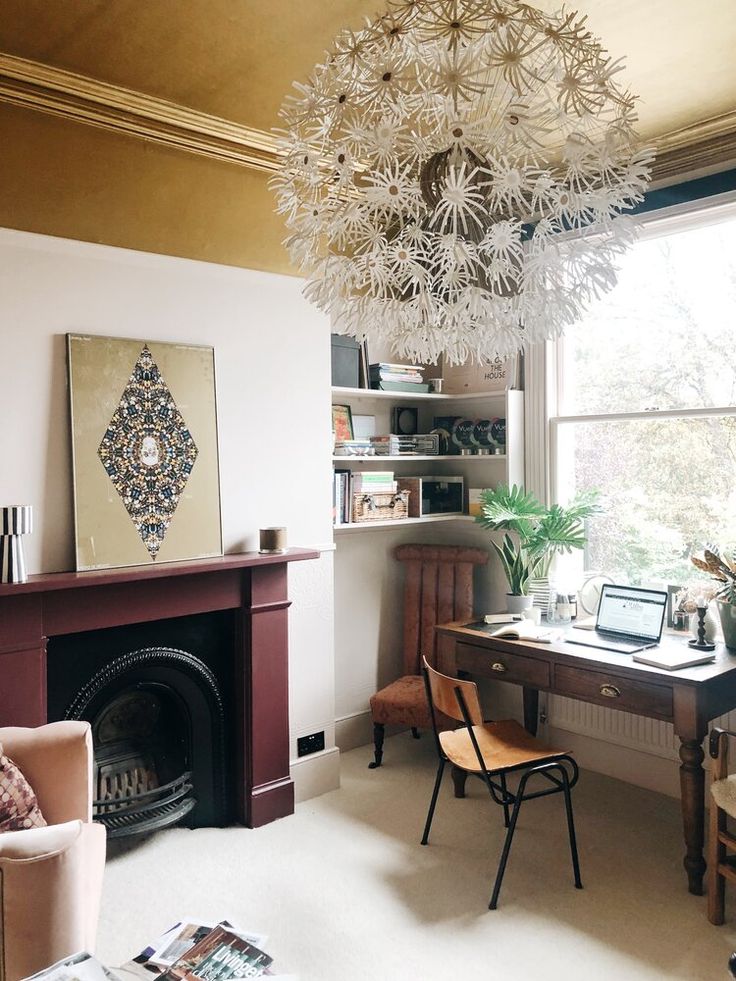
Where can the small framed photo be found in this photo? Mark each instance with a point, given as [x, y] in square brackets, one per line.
[342, 422]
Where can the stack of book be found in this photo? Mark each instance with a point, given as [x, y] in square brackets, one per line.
[346, 483]
[373, 482]
[397, 377]
[417, 445]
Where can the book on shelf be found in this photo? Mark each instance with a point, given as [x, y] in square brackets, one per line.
[373, 482]
[411, 377]
[524, 630]
[670, 660]
[342, 496]
[388, 366]
[423, 444]
[396, 386]
[373, 476]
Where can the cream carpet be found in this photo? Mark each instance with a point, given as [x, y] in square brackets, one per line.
[346, 893]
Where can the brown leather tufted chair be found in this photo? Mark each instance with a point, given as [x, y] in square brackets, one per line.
[438, 587]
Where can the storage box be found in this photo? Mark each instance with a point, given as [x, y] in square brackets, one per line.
[345, 361]
[474, 502]
[380, 507]
[494, 377]
[433, 495]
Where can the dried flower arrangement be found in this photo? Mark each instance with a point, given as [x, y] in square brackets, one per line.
[687, 598]
[721, 565]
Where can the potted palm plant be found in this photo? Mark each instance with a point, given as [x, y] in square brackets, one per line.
[540, 533]
[721, 565]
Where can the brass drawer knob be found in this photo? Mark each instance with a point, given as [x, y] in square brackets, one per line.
[610, 691]
[497, 666]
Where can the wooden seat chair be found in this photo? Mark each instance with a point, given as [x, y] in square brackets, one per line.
[491, 751]
[720, 841]
[438, 588]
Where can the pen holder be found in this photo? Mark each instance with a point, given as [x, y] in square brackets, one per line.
[700, 643]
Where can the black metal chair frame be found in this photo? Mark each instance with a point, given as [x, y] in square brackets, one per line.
[553, 769]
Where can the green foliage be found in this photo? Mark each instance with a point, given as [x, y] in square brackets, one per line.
[663, 338]
[541, 532]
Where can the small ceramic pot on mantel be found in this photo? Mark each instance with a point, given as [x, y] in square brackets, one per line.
[517, 604]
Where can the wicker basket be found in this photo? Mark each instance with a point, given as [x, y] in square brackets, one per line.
[380, 507]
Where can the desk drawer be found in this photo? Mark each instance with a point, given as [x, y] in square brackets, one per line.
[517, 668]
[626, 694]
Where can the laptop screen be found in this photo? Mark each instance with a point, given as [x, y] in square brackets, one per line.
[630, 611]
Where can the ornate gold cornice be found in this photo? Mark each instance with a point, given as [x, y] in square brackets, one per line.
[706, 146]
[34, 85]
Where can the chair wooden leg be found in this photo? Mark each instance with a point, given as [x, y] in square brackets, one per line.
[571, 829]
[415, 732]
[716, 883]
[433, 802]
[379, 731]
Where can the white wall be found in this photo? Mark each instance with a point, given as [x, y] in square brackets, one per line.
[273, 375]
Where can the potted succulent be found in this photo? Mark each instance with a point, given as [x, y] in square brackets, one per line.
[721, 565]
[540, 533]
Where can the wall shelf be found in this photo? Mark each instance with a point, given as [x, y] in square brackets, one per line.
[507, 467]
[374, 393]
[399, 522]
[408, 457]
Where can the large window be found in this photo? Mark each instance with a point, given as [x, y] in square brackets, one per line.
[647, 403]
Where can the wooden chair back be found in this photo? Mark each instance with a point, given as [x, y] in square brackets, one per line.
[442, 695]
[438, 588]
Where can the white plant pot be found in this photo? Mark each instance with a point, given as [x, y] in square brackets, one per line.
[517, 604]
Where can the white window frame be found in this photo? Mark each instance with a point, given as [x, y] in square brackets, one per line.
[545, 362]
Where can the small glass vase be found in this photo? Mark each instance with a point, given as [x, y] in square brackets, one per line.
[559, 608]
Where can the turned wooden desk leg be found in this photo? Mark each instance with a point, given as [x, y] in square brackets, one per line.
[458, 778]
[531, 710]
[692, 791]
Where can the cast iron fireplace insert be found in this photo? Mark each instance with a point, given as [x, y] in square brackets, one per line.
[161, 725]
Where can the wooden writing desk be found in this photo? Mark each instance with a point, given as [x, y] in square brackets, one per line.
[689, 698]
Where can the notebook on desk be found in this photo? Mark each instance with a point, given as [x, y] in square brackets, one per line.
[629, 619]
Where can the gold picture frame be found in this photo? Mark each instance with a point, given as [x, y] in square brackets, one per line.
[144, 451]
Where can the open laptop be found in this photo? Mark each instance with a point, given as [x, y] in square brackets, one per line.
[629, 619]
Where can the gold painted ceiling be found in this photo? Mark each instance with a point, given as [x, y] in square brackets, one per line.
[237, 58]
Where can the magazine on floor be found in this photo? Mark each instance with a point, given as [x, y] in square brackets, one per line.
[188, 951]
[220, 956]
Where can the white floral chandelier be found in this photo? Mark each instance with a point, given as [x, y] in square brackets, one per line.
[455, 174]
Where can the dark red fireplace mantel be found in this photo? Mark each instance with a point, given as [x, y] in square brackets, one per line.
[253, 586]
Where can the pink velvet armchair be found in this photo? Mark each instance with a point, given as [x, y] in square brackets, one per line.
[51, 878]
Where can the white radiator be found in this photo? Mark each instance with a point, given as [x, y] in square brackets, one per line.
[621, 728]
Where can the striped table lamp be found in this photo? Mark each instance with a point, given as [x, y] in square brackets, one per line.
[14, 522]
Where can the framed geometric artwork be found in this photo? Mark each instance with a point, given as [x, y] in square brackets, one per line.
[144, 451]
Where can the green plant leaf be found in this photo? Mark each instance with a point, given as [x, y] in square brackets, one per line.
[541, 531]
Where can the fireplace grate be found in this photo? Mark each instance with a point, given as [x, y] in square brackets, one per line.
[147, 811]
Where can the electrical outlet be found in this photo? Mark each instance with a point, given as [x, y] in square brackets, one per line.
[312, 743]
